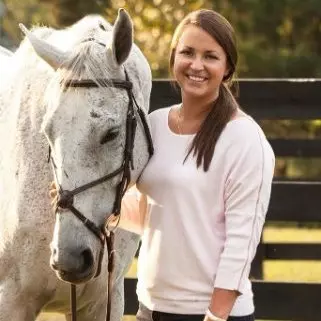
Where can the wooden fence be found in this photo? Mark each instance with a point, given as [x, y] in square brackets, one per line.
[291, 201]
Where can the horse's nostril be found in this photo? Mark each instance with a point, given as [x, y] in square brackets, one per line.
[53, 259]
[72, 262]
[88, 259]
[54, 265]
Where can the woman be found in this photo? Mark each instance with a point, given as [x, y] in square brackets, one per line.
[208, 187]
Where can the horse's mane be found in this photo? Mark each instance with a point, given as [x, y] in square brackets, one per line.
[87, 56]
[88, 60]
[85, 59]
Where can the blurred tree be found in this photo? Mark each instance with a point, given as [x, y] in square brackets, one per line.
[29, 12]
[276, 38]
[67, 12]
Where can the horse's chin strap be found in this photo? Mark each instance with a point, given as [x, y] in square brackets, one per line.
[66, 198]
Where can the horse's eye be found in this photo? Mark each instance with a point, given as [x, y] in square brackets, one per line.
[109, 136]
[101, 26]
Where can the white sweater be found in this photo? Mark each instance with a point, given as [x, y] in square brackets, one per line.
[203, 227]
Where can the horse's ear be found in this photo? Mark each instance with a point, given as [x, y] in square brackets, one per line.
[122, 38]
[53, 56]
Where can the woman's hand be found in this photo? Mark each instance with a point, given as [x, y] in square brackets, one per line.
[53, 193]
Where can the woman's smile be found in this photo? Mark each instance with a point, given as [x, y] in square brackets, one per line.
[197, 79]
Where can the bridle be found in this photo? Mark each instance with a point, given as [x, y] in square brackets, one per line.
[65, 198]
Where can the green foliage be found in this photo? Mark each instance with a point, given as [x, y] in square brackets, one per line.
[29, 12]
[275, 39]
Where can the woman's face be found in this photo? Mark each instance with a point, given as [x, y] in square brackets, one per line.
[200, 64]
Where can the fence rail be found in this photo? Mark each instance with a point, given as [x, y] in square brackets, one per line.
[296, 147]
[295, 201]
[262, 98]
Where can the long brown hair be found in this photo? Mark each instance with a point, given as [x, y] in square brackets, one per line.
[225, 105]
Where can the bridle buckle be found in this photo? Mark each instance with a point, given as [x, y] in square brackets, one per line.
[65, 199]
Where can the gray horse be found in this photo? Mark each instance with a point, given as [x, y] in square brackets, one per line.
[85, 129]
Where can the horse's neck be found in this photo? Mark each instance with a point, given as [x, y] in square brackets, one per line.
[23, 165]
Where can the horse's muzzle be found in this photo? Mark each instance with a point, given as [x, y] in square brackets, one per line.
[77, 268]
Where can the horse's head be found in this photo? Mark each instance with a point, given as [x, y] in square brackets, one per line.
[85, 123]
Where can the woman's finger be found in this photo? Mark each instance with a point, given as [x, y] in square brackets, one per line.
[54, 201]
[53, 185]
[53, 192]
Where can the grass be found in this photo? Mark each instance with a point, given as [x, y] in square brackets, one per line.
[308, 271]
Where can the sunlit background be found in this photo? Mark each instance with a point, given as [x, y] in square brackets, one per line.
[276, 39]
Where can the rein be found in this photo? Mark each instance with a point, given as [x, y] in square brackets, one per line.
[66, 198]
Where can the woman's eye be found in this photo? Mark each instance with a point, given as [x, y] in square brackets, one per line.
[186, 52]
[109, 136]
[211, 57]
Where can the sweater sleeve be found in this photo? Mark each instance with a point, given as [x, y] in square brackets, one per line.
[249, 168]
